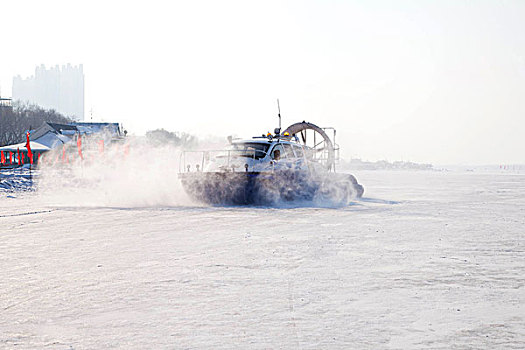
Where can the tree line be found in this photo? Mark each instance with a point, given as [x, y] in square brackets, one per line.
[161, 137]
[22, 117]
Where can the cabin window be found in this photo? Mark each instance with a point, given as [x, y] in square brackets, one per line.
[298, 151]
[288, 150]
[281, 151]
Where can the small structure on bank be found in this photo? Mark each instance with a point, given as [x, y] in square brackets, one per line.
[54, 136]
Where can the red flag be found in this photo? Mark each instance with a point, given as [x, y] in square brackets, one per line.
[28, 146]
[10, 157]
[2, 157]
[79, 146]
[19, 157]
[63, 153]
[38, 158]
[101, 146]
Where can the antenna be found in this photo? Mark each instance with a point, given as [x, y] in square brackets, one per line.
[279, 109]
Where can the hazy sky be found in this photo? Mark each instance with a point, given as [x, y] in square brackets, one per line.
[427, 81]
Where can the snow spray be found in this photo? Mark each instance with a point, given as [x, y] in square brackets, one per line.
[130, 173]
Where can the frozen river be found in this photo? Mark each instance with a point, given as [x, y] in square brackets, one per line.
[427, 260]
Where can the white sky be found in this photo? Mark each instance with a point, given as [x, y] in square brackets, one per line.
[426, 81]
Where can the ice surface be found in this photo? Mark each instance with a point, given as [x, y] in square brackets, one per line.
[427, 260]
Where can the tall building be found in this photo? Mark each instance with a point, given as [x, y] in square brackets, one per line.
[58, 88]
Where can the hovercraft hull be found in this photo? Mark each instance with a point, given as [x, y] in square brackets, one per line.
[267, 188]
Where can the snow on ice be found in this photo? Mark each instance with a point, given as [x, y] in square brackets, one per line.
[427, 260]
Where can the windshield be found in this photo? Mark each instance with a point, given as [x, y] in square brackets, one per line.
[251, 150]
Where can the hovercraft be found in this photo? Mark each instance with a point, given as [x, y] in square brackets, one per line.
[270, 168]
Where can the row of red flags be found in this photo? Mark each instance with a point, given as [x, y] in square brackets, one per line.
[19, 156]
[12, 160]
[65, 159]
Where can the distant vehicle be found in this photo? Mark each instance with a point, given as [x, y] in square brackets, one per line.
[269, 168]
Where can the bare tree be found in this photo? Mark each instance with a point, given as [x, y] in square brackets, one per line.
[15, 121]
[163, 137]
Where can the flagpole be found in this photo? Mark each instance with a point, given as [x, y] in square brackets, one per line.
[79, 148]
[29, 155]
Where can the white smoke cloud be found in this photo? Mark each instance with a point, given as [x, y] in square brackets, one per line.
[128, 174]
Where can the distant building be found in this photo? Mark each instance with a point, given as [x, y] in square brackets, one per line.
[5, 107]
[58, 88]
[54, 135]
[5, 103]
